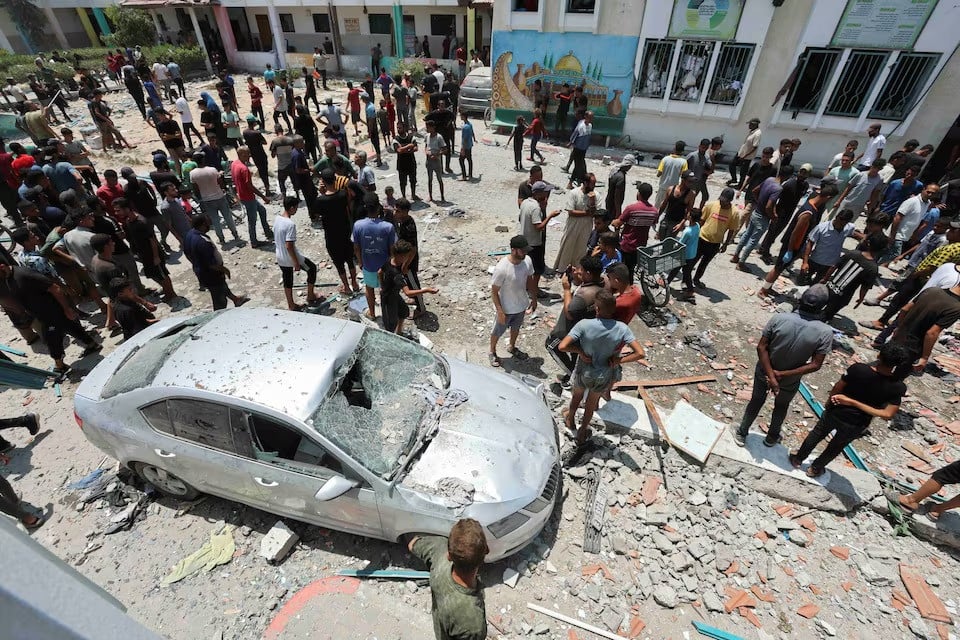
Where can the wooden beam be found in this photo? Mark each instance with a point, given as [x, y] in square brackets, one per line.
[670, 382]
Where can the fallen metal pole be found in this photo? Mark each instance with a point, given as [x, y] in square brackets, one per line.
[603, 633]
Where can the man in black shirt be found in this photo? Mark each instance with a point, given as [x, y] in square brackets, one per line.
[406, 148]
[756, 174]
[333, 207]
[142, 198]
[919, 328]
[429, 87]
[856, 270]
[792, 192]
[526, 187]
[253, 139]
[208, 264]
[144, 244]
[131, 315]
[406, 228]
[43, 299]
[443, 119]
[863, 393]
[169, 131]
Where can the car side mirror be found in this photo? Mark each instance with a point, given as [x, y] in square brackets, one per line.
[335, 487]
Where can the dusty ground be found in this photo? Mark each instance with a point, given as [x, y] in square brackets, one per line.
[669, 562]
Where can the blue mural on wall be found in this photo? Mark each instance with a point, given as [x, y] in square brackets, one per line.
[602, 64]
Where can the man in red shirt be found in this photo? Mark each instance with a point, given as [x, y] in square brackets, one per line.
[628, 294]
[247, 194]
[110, 190]
[8, 185]
[353, 101]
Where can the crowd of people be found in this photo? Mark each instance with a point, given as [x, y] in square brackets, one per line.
[84, 233]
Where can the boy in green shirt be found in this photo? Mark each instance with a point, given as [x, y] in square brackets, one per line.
[458, 608]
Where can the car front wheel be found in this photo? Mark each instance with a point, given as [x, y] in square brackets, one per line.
[166, 483]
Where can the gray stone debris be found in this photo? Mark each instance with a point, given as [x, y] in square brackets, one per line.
[278, 542]
[697, 499]
[666, 596]
[920, 629]
[712, 601]
[661, 542]
[826, 627]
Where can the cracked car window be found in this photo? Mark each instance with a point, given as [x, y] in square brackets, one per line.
[370, 412]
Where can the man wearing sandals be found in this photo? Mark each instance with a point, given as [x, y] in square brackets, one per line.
[597, 343]
[949, 474]
[514, 293]
[863, 393]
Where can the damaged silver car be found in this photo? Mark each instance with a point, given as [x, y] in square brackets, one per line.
[328, 422]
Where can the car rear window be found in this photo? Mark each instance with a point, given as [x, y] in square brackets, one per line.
[478, 82]
[140, 367]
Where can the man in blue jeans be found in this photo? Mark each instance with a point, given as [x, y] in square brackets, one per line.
[372, 239]
[792, 345]
[766, 195]
[213, 200]
[247, 194]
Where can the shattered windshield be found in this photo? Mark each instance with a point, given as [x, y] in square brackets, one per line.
[371, 412]
[140, 367]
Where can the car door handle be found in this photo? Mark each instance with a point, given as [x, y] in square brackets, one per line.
[265, 483]
[164, 454]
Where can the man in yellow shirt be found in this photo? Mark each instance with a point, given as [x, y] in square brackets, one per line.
[720, 222]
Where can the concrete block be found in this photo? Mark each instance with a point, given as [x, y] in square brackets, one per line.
[277, 543]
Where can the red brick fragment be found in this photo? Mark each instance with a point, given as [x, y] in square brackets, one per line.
[808, 610]
[841, 552]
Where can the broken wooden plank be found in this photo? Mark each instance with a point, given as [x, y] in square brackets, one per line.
[670, 382]
[654, 414]
[930, 606]
[603, 633]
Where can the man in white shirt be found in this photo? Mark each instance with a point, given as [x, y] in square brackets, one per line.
[279, 104]
[907, 219]
[289, 258]
[514, 295]
[438, 74]
[186, 117]
[365, 176]
[746, 152]
[320, 65]
[851, 149]
[874, 148]
[161, 76]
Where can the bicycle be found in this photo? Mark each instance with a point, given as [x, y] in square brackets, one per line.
[487, 116]
[653, 265]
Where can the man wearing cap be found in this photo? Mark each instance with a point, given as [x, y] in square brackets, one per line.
[513, 290]
[701, 164]
[670, 170]
[720, 223]
[617, 187]
[765, 211]
[533, 226]
[581, 206]
[791, 192]
[372, 238]
[746, 153]
[791, 346]
[825, 245]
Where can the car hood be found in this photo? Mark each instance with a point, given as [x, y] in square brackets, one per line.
[502, 441]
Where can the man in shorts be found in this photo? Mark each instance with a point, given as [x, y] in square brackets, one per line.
[597, 343]
[289, 258]
[514, 293]
[372, 239]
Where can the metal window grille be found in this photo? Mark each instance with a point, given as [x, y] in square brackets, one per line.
[655, 68]
[691, 71]
[321, 23]
[726, 86]
[380, 22]
[286, 23]
[815, 68]
[903, 85]
[856, 82]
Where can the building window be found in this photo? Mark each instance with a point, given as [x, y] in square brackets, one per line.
[901, 91]
[183, 19]
[526, 5]
[856, 82]
[691, 71]
[812, 77]
[655, 68]
[441, 25]
[286, 23]
[730, 73]
[380, 23]
[580, 6]
[321, 23]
